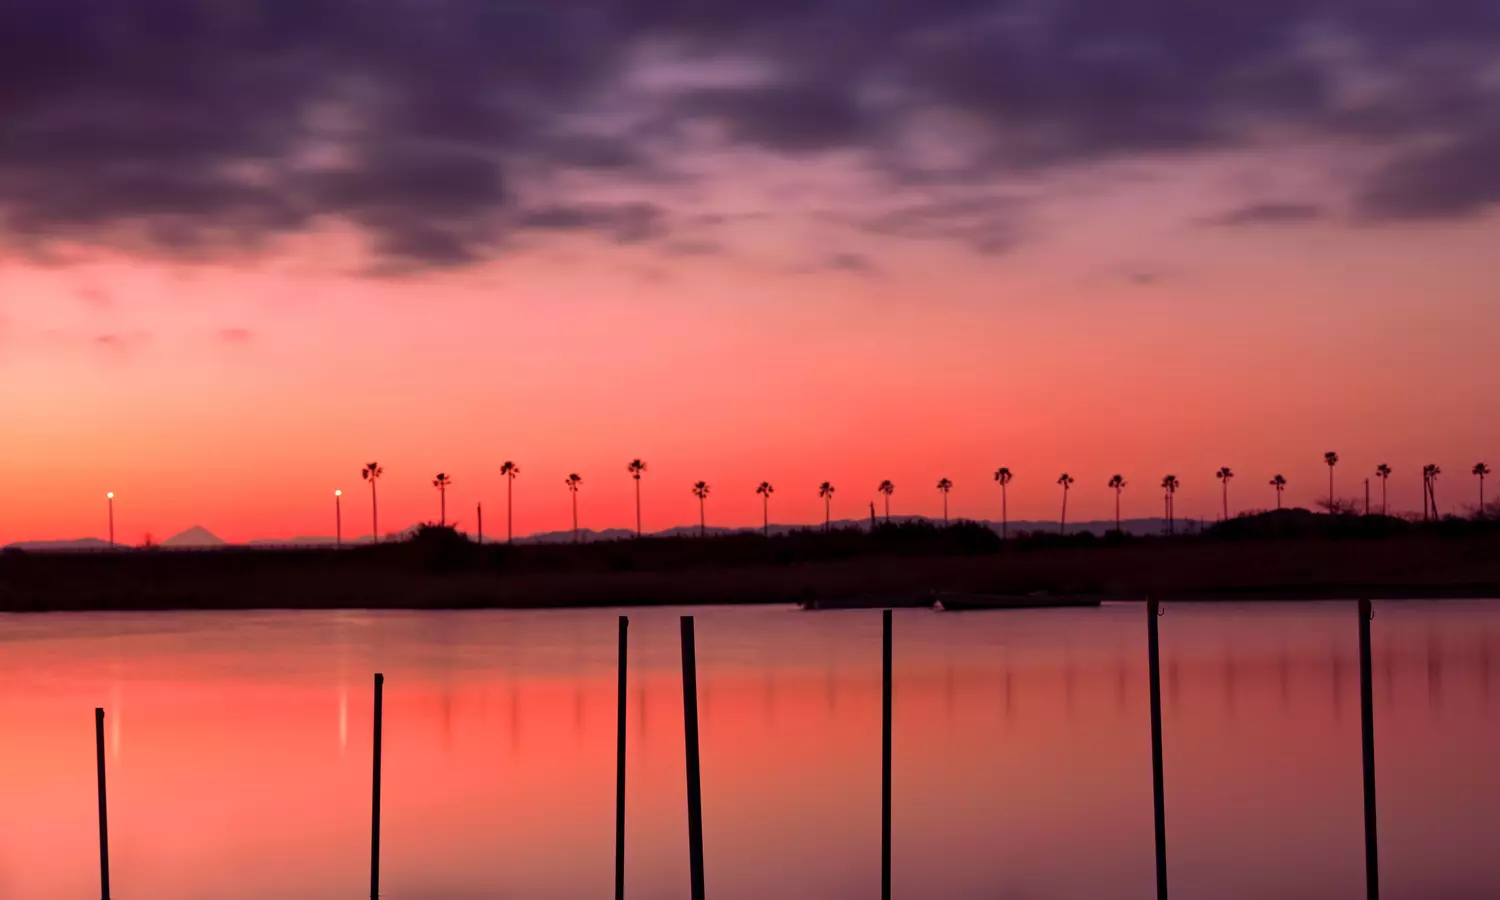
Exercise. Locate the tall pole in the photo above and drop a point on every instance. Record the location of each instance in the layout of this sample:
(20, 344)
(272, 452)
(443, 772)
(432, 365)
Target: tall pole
(690, 733)
(111, 497)
(479, 513)
(885, 757)
(1367, 734)
(1153, 644)
(103, 806)
(338, 518)
(375, 792)
(620, 763)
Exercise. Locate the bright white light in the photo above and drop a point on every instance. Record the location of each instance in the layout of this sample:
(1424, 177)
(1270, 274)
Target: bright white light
(110, 495)
(338, 493)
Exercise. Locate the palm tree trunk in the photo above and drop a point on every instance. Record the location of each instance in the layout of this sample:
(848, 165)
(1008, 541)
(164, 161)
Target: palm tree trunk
(637, 506)
(827, 514)
(1226, 500)
(575, 517)
(702, 520)
(510, 487)
(1425, 516)
(887, 509)
(765, 511)
(1384, 511)
(1117, 509)
(374, 513)
(442, 507)
(1004, 512)
(1330, 489)
(1481, 496)
(945, 510)
(1062, 527)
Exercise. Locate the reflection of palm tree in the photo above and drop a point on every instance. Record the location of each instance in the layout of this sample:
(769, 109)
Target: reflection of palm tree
(825, 490)
(887, 489)
(944, 485)
(700, 490)
(765, 490)
(510, 470)
(1224, 474)
(1169, 486)
(441, 482)
(1481, 470)
(1383, 472)
(372, 473)
(635, 468)
(1331, 459)
(573, 481)
(1003, 477)
(1066, 481)
(1279, 483)
(1430, 473)
(1118, 483)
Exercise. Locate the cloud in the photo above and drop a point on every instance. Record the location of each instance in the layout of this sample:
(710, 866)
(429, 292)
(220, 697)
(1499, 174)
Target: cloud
(985, 224)
(856, 263)
(440, 131)
(1267, 214)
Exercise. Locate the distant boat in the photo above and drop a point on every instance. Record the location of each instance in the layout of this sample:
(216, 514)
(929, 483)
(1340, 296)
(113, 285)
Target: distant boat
(952, 602)
(912, 600)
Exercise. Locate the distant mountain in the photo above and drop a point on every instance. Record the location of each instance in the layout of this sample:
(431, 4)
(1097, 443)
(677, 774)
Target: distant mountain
(80, 544)
(197, 536)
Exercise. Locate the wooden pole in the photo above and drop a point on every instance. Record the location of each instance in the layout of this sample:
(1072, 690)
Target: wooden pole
(375, 792)
(1153, 643)
(885, 757)
(690, 732)
(103, 806)
(1367, 731)
(620, 764)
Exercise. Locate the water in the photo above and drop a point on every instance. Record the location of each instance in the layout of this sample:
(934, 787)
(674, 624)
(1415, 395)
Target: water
(239, 753)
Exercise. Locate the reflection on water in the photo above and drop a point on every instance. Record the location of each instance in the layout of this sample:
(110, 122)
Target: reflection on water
(1022, 767)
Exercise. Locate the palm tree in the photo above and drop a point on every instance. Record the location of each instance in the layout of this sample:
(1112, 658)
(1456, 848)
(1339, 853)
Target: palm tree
(1430, 473)
(441, 482)
(372, 473)
(1481, 470)
(1003, 477)
(510, 470)
(944, 485)
(700, 490)
(1331, 459)
(1066, 481)
(1279, 483)
(635, 468)
(1169, 485)
(573, 481)
(1383, 472)
(1224, 474)
(825, 490)
(1118, 483)
(765, 490)
(887, 489)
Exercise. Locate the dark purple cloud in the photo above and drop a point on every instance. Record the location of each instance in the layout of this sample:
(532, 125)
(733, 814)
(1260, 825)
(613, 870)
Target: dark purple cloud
(442, 129)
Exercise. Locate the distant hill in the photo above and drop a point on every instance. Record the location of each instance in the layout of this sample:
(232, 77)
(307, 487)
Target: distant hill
(73, 546)
(197, 536)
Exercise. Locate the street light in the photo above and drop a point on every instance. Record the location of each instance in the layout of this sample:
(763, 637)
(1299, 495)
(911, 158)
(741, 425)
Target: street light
(338, 518)
(111, 497)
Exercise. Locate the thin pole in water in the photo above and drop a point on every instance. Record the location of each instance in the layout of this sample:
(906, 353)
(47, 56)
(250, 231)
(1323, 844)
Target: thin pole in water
(1153, 642)
(103, 806)
(1367, 723)
(375, 792)
(885, 758)
(620, 765)
(690, 732)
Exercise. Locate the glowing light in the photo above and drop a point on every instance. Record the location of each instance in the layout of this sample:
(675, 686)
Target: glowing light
(338, 493)
(110, 495)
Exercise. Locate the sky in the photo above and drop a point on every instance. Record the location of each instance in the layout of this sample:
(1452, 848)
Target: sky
(246, 247)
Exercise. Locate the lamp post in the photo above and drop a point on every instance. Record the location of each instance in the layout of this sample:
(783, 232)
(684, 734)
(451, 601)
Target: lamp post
(111, 498)
(338, 518)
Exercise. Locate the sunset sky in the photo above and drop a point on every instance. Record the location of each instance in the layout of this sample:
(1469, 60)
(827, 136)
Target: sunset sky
(246, 247)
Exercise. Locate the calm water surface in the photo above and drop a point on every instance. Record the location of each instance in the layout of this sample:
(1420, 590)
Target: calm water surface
(239, 753)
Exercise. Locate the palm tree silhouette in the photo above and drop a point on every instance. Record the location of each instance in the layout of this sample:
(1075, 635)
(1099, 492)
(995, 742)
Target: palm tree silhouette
(1169, 485)
(1279, 483)
(944, 485)
(1066, 481)
(700, 490)
(887, 489)
(573, 481)
(1481, 470)
(635, 468)
(765, 490)
(441, 482)
(1331, 459)
(1383, 472)
(1224, 474)
(1003, 477)
(510, 470)
(372, 473)
(825, 490)
(1430, 473)
(1118, 483)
